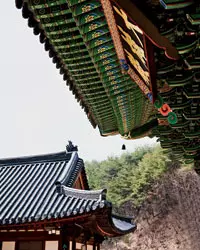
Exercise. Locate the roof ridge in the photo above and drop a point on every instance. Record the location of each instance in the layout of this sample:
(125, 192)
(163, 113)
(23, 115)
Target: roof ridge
(36, 158)
(98, 195)
(68, 170)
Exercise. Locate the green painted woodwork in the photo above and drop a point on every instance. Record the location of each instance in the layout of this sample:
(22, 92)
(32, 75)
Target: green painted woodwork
(181, 28)
(175, 4)
(172, 118)
(194, 18)
(158, 102)
(195, 134)
(80, 36)
(182, 105)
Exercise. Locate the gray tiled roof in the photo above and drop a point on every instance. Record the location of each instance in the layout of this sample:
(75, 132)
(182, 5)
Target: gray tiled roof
(38, 188)
(122, 224)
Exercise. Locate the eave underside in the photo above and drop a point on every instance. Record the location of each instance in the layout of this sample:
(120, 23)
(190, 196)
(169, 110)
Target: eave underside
(78, 40)
(99, 223)
(179, 22)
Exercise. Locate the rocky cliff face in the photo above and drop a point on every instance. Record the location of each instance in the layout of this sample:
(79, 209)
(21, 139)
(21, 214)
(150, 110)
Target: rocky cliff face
(170, 217)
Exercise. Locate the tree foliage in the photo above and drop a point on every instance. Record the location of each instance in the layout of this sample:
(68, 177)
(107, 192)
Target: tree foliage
(128, 178)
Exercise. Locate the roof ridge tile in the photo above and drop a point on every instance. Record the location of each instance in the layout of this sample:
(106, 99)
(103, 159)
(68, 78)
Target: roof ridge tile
(96, 195)
(35, 158)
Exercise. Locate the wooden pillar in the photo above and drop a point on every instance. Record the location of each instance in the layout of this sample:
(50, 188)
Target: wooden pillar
(74, 244)
(16, 245)
(63, 243)
(96, 246)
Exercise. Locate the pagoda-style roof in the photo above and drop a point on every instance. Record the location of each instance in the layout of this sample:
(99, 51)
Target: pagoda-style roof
(132, 65)
(42, 190)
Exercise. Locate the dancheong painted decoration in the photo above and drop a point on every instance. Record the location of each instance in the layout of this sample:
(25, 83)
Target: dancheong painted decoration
(132, 65)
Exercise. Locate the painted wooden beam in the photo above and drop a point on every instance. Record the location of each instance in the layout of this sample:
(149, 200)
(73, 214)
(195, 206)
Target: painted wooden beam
(148, 28)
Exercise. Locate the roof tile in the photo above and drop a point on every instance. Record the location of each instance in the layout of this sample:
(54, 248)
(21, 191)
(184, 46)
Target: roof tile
(40, 187)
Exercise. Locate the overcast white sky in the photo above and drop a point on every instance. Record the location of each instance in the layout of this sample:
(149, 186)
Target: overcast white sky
(38, 112)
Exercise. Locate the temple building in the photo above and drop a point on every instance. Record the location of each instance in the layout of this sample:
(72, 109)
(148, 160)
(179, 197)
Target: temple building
(46, 204)
(132, 65)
